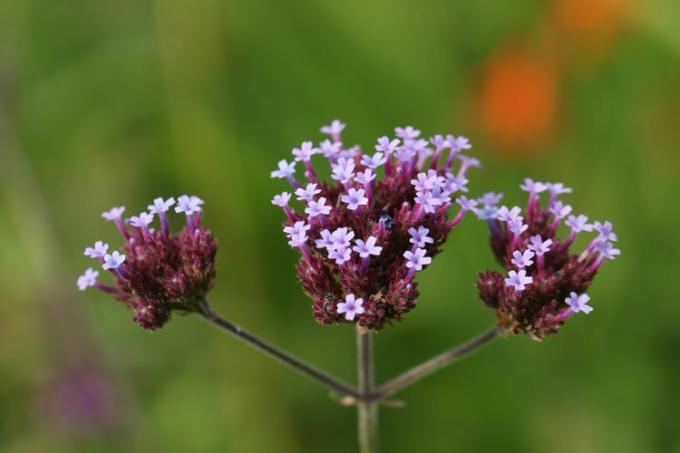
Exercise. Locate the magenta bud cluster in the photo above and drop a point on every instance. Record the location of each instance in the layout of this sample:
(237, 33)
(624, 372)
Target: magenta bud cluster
(383, 217)
(546, 280)
(158, 271)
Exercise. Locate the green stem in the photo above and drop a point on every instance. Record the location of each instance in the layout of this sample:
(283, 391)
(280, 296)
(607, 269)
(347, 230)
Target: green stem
(366, 405)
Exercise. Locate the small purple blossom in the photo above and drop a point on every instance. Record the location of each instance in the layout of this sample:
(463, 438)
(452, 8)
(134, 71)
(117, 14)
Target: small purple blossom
(365, 177)
(114, 213)
(373, 162)
(509, 215)
(368, 248)
(88, 279)
(317, 208)
(518, 280)
(560, 210)
(343, 171)
(522, 259)
(407, 133)
(578, 224)
(517, 226)
(98, 251)
(428, 202)
(557, 188)
(282, 199)
(465, 203)
(342, 237)
(334, 129)
(143, 220)
(308, 193)
(326, 240)
(605, 230)
(188, 205)
(305, 152)
(419, 237)
(532, 186)
(160, 206)
(490, 199)
(352, 307)
(417, 259)
(329, 149)
(607, 249)
(354, 198)
(424, 182)
(297, 233)
(113, 261)
(286, 170)
(579, 303)
(459, 143)
(538, 245)
(340, 255)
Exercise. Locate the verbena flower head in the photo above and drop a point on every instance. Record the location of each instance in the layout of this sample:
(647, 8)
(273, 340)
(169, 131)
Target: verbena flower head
(158, 272)
(383, 216)
(546, 279)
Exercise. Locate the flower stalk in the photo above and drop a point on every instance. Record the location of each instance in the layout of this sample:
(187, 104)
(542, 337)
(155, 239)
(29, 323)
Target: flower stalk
(367, 407)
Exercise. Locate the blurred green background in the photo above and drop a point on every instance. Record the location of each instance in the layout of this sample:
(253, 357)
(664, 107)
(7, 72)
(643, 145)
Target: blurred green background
(105, 103)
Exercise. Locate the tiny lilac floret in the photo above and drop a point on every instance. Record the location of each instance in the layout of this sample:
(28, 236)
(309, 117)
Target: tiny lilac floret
(538, 245)
(142, 220)
(286, 170)
(509, 215)
(317, 208)
(88, 279)
(188, 205)
(354, 199)
(340, 255)
(517, 226)
(579, 303)
(352, 307)
(342, 237)
(368, 248)
(522, 259)
(605, 231)
(329, 149)
(518, 280)
(308, 193)
(326, 240)
(365, 177)
(560, 210)
(607, 250)
(407, 133)
(114, 213)
(417, 259)
(490, 199)
(343, 171)
(557, 188)
(160, 205)
(419, 237)
(113, 261)
(334, 129)
(297, 234)
(459, 143)
(282, 199)
(98, 251)
(465, 203)
(305, 152)
(578, 223)
(532, 186)
(373, 162)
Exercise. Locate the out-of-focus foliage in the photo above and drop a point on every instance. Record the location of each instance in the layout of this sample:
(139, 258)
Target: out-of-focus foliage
(106, 103)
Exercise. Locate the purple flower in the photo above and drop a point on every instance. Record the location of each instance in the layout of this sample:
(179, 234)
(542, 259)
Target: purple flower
(505, 215)
(532, 186)
(559, 210)
(98, 251)
(340, 255)
(417, 259)
(114, 213)
(343, 171)
(281, 200)
(424, 182)
(459, 143)
(578, 224)
(308, 193)
(440, 142)
(522, 259)
(342, 237)
(607, 250)
(317, 208)
(428, 201)
(305, 152)
(518, 280)
(374, 161)
(365, 249)
(352, 307)
(605, 230)
(538, 245)
(113, 261)
(354, 199)
(517, 227)
(579, 303)
(160, 206)
(286, 170)
(189, 205)
(335, 128)
(329, 149)
(490, 199)
(326, 241)
(365, 177)
(407, 133)
(297, 234)
(465, 203)
(88, 279)
(142, 220)
(419, 237)
(557, 188)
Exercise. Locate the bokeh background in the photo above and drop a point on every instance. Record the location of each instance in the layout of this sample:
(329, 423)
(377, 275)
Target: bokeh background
(116, 102)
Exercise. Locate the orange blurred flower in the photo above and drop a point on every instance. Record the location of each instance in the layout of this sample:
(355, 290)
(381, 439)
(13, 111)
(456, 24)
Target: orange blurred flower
(519, 100)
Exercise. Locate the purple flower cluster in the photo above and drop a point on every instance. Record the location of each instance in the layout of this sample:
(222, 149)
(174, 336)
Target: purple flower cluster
(546, 282)
(159, 272)
(363, 237)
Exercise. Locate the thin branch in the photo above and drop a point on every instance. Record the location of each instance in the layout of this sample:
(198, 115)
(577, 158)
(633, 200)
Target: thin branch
(442, 360)
(293, 362)
(367, 409)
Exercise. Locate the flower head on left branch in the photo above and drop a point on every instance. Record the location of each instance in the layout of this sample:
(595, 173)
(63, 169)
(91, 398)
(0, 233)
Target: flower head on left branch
(158, 271)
